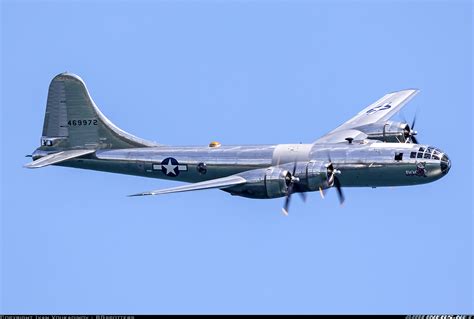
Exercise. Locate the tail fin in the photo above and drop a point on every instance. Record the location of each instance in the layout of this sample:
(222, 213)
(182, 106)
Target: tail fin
(73, 121)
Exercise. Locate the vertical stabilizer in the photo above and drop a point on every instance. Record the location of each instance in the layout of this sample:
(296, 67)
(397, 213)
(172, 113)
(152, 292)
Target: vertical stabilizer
(73, 121)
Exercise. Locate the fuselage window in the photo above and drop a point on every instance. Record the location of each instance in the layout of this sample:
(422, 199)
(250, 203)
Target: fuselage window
(398, 156)
(413, 155)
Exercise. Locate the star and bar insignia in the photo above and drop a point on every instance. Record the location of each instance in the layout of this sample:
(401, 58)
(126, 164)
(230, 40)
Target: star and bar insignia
(170, 167)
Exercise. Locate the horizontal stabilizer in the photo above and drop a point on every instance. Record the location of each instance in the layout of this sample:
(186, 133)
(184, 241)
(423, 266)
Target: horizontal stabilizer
(223, 182)
(57, 158)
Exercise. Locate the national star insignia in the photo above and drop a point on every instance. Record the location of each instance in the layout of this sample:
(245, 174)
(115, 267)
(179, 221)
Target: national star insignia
(170, 168)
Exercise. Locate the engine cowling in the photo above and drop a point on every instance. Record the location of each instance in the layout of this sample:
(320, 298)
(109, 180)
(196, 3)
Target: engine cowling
(269, 182)
(277, 181)
(395, 132)
(319, 174)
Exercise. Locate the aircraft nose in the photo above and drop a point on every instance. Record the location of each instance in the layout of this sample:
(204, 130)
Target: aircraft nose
(445, 164)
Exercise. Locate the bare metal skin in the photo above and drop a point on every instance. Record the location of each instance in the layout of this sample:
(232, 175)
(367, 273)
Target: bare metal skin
(366, 151)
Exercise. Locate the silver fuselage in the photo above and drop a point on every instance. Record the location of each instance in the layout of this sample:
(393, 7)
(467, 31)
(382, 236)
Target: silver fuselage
(363, 164)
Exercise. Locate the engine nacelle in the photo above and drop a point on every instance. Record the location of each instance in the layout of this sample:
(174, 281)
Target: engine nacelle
(274, 181)
(319, 174)
(395, 132)
(277, 181)
(269, 182)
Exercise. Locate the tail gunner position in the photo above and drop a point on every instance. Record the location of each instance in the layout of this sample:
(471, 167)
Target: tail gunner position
(369, 150)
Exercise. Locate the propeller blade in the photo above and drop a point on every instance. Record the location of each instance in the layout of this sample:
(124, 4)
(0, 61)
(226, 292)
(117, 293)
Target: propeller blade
(413, 138)
(293, 187)
(413, 123)
(287, 204)
(303, 196)
(337, 184)
(410, 132)
(321, 192)
(288, 199)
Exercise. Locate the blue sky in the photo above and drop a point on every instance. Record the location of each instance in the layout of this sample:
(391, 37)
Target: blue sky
(240, 72)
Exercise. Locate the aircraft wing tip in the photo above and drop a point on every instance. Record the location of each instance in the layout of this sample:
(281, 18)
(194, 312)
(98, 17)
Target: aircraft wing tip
(141, 194)
(31, 165)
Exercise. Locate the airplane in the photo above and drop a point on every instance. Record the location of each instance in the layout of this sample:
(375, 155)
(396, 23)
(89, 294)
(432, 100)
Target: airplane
(368, 150)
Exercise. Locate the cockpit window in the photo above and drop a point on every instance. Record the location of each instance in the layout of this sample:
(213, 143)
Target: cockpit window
(413, 155)
(430, 153)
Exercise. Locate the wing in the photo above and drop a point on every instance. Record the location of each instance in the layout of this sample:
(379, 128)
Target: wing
(57, 158)
(220, 183)
(379, 111)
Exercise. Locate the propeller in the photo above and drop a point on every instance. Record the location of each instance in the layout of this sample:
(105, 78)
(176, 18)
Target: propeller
(410, 132)
(293, 187)
(413, 132)
(333, 180)
(337, 184)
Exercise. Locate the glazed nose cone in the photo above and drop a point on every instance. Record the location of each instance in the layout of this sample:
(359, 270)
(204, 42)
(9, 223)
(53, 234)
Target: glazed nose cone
(445, 164)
